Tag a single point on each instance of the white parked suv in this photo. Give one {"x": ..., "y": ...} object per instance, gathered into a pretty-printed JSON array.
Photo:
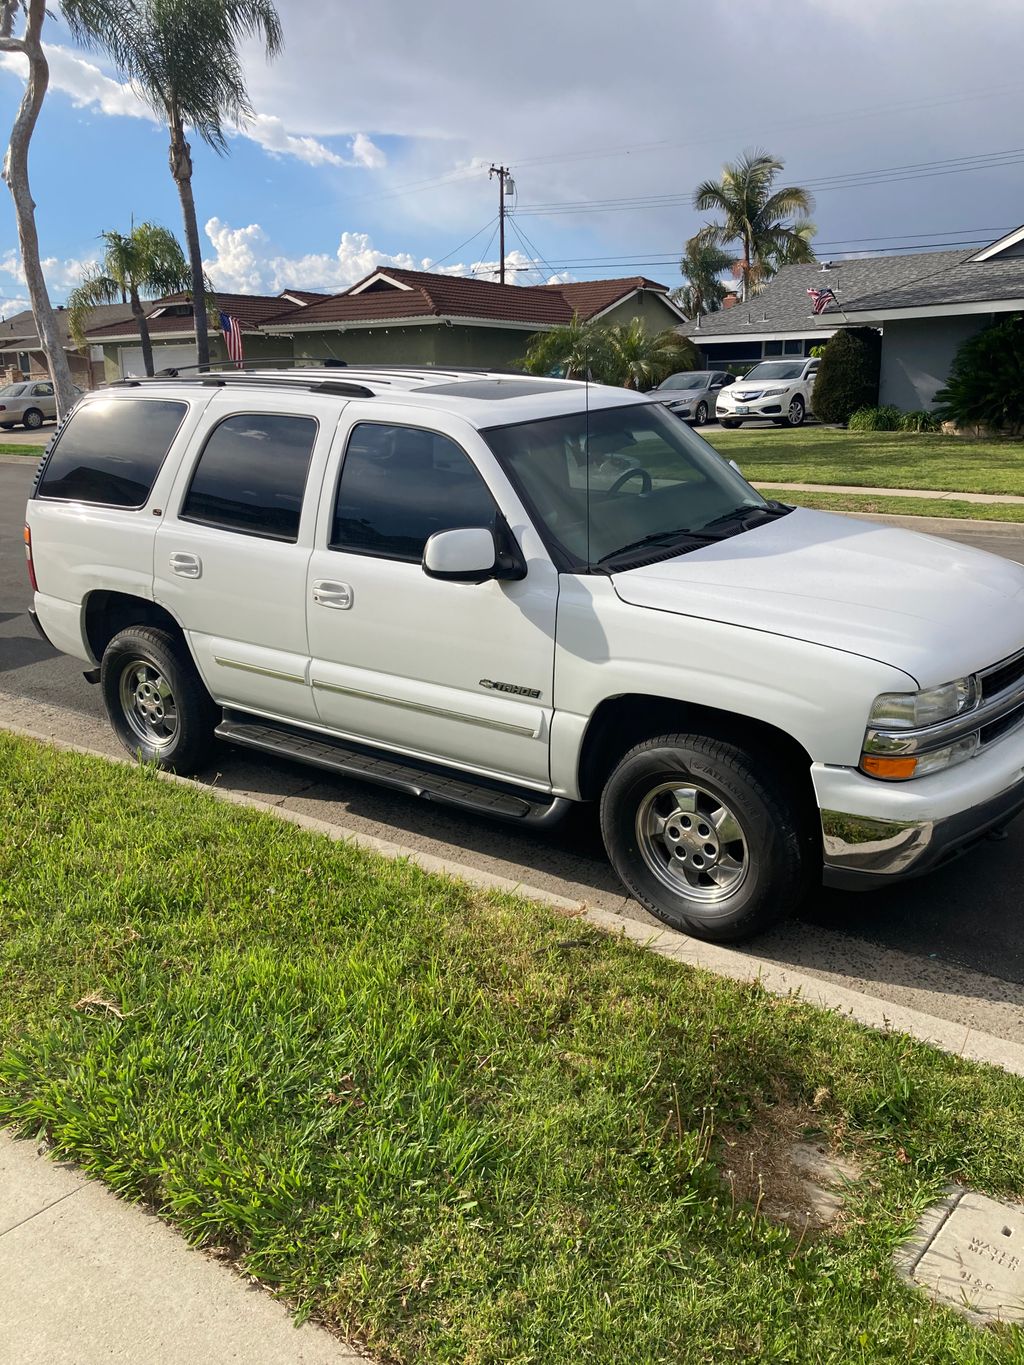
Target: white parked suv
[
  {"x": 777, "y": 391},
  {"x": 515, "y": 594}
]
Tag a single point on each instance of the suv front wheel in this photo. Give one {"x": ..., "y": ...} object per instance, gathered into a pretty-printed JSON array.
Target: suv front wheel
[
  {"x": 155, "y": 699},
  {"x": 702, "y": 839}
]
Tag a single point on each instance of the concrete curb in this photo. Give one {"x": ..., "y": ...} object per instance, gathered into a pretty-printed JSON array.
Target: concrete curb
[
  {"x": 728, "y": 962},
  {"x": 869, "y": 490}
]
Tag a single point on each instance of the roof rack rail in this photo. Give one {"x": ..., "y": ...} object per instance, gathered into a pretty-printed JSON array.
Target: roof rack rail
[{"x": 231, "y": 380}]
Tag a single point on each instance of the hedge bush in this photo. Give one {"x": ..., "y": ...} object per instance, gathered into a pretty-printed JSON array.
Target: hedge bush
[
  {"x": 986, "y": 383},
  {"x": 885, "y": 418},
  {"x": 848, "y": 374}
]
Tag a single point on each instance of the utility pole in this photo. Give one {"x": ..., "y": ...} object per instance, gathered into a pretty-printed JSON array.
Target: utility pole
[{"x": 504, "y": 183}]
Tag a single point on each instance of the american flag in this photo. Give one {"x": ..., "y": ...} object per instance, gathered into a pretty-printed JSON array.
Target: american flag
[
  {"x": 821, "y": 298},
  {"x": 232, "y": 330}
]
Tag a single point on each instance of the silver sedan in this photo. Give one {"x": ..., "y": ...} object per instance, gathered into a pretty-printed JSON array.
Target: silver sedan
[
  {"x": 29, "y": 403},
  {"x": 691, "y": 394}
]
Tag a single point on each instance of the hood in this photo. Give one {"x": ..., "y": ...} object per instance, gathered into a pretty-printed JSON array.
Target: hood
[
  {"x": 680, "y": 395},
  {"x": 931, "y": 607}
]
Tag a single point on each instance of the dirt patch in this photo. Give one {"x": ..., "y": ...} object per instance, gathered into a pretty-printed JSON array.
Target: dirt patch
[{"x": 786, "y": 1169}]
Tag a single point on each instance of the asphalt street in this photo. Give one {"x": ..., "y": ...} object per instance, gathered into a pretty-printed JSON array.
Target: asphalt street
[{"x": 950, "y": 943}]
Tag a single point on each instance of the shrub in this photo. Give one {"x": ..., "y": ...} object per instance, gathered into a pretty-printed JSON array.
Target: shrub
[
  {"x": 885, "y": 418},
  {"x": 919, "y": 420},
  {"x": 986, "y": 383},
  {"x": 848, "y": 374}
]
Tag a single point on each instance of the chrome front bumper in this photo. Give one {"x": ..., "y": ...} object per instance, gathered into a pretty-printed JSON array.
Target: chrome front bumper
[{"x": 861, "y": 852}]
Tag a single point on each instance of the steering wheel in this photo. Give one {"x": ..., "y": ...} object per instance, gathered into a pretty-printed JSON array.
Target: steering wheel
[{"x": 636, "y": 473}]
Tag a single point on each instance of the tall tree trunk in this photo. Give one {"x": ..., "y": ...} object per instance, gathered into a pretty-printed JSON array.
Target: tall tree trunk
[
  {"x": 181, "y": 169},
  {"x": 746, "y": 268},
  {"x": 139, "y": 314},
  {"x": 15, "y": 173}
]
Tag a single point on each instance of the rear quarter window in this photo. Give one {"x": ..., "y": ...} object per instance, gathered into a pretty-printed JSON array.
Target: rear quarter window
[{"x": 110, "y": 451}]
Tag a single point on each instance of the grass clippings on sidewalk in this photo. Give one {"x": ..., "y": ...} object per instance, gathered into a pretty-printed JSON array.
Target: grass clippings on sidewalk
[
  {"x": 874, "y": 459},
  {"x": 903, "y": 507},
  {"x": 458, "y": 1127}
]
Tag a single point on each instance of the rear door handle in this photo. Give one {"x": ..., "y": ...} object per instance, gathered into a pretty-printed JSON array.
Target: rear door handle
[
  {"x": 329, "y": 594},
  {"x": 186, "y": 565}
]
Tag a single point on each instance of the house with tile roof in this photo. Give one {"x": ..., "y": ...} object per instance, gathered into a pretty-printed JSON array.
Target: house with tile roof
[
  {"x": 172, "y": 330},
  {"x": 417, "y": 317},
  {"x": 925, "y": 304}
]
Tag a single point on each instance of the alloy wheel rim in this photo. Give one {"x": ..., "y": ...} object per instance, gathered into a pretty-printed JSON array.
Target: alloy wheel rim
[
  {"x": 148, "y": 704},
  {"x": 702, "y": 413},
  {"x": 796, "y": 412},
  {"x": 692, "y": 842}
]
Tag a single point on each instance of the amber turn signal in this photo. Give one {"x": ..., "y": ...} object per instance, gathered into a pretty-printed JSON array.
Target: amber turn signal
[{"x": 892, "y": 768}]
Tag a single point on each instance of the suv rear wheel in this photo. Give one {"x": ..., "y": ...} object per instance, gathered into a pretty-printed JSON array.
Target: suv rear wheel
[
  {"x": 702, "y": 838},
  {"x": 155, "y": 699}
]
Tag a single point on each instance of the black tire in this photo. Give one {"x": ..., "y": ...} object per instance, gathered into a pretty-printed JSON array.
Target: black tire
[
  {"x": 181, "y": 744},
  {"x": 700, "y": 416},
  {"x": 32, "y": 420},
  {"x": 729, "y": 426},
  {"x": 777, "y": 850},
  {"x": 797, "y": 413}
]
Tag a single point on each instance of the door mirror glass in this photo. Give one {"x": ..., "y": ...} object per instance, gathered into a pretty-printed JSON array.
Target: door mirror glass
[{"x": 466, "y": 555}]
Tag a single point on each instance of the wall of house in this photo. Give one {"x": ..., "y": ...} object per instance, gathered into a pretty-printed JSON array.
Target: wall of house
[
  {"x": 917, "y": 355},
  {"x": 254, "y": 348},
  {"x": 430, "y": 345},
  {"x": 648, "y": 306}
]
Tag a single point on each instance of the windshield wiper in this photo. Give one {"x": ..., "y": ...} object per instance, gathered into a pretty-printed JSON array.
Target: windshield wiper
[
  {"x": 742, "y": 515},
  {"x": 680, "y": 538}
]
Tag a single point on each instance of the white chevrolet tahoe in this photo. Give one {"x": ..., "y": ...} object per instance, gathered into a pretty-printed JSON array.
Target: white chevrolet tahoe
[
  {"x": 514, "y": 594},
  {"x": 777, "y": 391}
]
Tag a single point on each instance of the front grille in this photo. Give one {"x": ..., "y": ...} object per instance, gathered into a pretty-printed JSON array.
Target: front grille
[
  {"x": 998, "y": 728},
  {"x": 1002, "y": 676}
]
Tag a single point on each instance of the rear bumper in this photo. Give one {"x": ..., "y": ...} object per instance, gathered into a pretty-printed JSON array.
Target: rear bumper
[
  {"x": 861, "y": 853},
  {"x": 34, "y": 618}
]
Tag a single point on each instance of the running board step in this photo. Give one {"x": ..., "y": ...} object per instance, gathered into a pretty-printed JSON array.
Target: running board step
[{"x": 416, "y": 779}]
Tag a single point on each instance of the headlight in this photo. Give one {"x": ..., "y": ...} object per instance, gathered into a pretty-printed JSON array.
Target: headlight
[
  {"x": 772, "y": 393},
  {"x": 910, "y": 710},
  {"x": 897, "y": 744}
]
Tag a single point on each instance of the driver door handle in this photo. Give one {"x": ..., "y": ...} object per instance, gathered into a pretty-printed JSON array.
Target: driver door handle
[{"x": 329, "y": 594}]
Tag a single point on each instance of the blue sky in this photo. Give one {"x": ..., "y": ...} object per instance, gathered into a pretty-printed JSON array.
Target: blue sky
[{"x": 376, "y": 126}]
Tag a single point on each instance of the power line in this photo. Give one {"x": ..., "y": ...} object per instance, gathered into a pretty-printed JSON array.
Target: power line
[{"x": 466, "y": 243}]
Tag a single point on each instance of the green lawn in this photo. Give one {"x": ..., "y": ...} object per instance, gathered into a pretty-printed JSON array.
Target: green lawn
[
  {"x": 459, "y": 1127},
  {"x": 880, "y": 459},
  {"x": 895, "y": 506},
  {"x": 33, "y": 452}
]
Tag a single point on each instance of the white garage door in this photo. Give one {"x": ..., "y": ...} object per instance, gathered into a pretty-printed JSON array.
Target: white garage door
[{"x": 163, "y": 357}]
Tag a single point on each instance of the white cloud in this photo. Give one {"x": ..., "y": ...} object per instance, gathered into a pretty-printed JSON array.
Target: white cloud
[
  {"x": 61, "y": 275},
  {"x": 244, "y": 263},
  {"x": 90, "y": 88}
]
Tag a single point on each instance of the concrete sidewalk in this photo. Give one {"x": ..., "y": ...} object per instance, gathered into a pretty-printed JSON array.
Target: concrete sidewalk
[
  {"x": 86, "y": 1279},
  {"x": 853, "y": 488}
]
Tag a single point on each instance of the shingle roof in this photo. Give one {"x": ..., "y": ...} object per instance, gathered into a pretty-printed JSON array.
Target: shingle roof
[
  {"x": 22, "y": 326},
  {"x": 590, "y": 297},
  {"x": 871, "y": 284},
  {"x": 305, "y": 295}
]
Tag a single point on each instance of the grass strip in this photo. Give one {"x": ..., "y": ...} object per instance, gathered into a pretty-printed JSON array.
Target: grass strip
[
  {"x": 904, "y": 507},
  {"x": 459, "y": 1127},
  {"x": 874, "y": 459},
  {"x": 30, "y": 452}
]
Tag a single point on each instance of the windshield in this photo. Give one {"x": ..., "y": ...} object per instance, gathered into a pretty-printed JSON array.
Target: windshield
[
  {"x": 776, "y": 369},
  {"x": 13, "y": 390},
  {"x": 690, "y": 379},
  {"x": 649, "y": 477}
]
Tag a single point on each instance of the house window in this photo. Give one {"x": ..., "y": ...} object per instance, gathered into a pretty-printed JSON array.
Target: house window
[
  {"x": 773, "y": 348},
  {"x": 794, "y": 348}
]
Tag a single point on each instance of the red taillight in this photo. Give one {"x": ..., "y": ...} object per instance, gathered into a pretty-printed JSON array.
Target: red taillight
[{"x": 28, "y": 560}]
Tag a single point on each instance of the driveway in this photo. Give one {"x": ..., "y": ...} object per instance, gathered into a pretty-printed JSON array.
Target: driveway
[{"x": 950, "y": 944}]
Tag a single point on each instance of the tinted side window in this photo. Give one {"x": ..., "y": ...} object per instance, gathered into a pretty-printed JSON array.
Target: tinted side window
[
  {"x": 110, "y": 451},
  {"x": 252, "y": 474},
  {"x": 399, "y": 485}
]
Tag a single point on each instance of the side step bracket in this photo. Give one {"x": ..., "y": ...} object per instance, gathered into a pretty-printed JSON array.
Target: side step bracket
[{"x": 517, "y": 804}]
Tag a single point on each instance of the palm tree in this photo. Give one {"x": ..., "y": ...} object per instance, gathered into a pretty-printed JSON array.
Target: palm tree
[
  {"x": 15, "y": 174},
  {"x": 639, "y": 360},
  {"x": 756, "y": 215},
  {"x": 577, "y": 349},
  {"x": 702, "y": 266},
  {"x": 148, "y": 261},
  {"x": 182, "y": 57}
]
